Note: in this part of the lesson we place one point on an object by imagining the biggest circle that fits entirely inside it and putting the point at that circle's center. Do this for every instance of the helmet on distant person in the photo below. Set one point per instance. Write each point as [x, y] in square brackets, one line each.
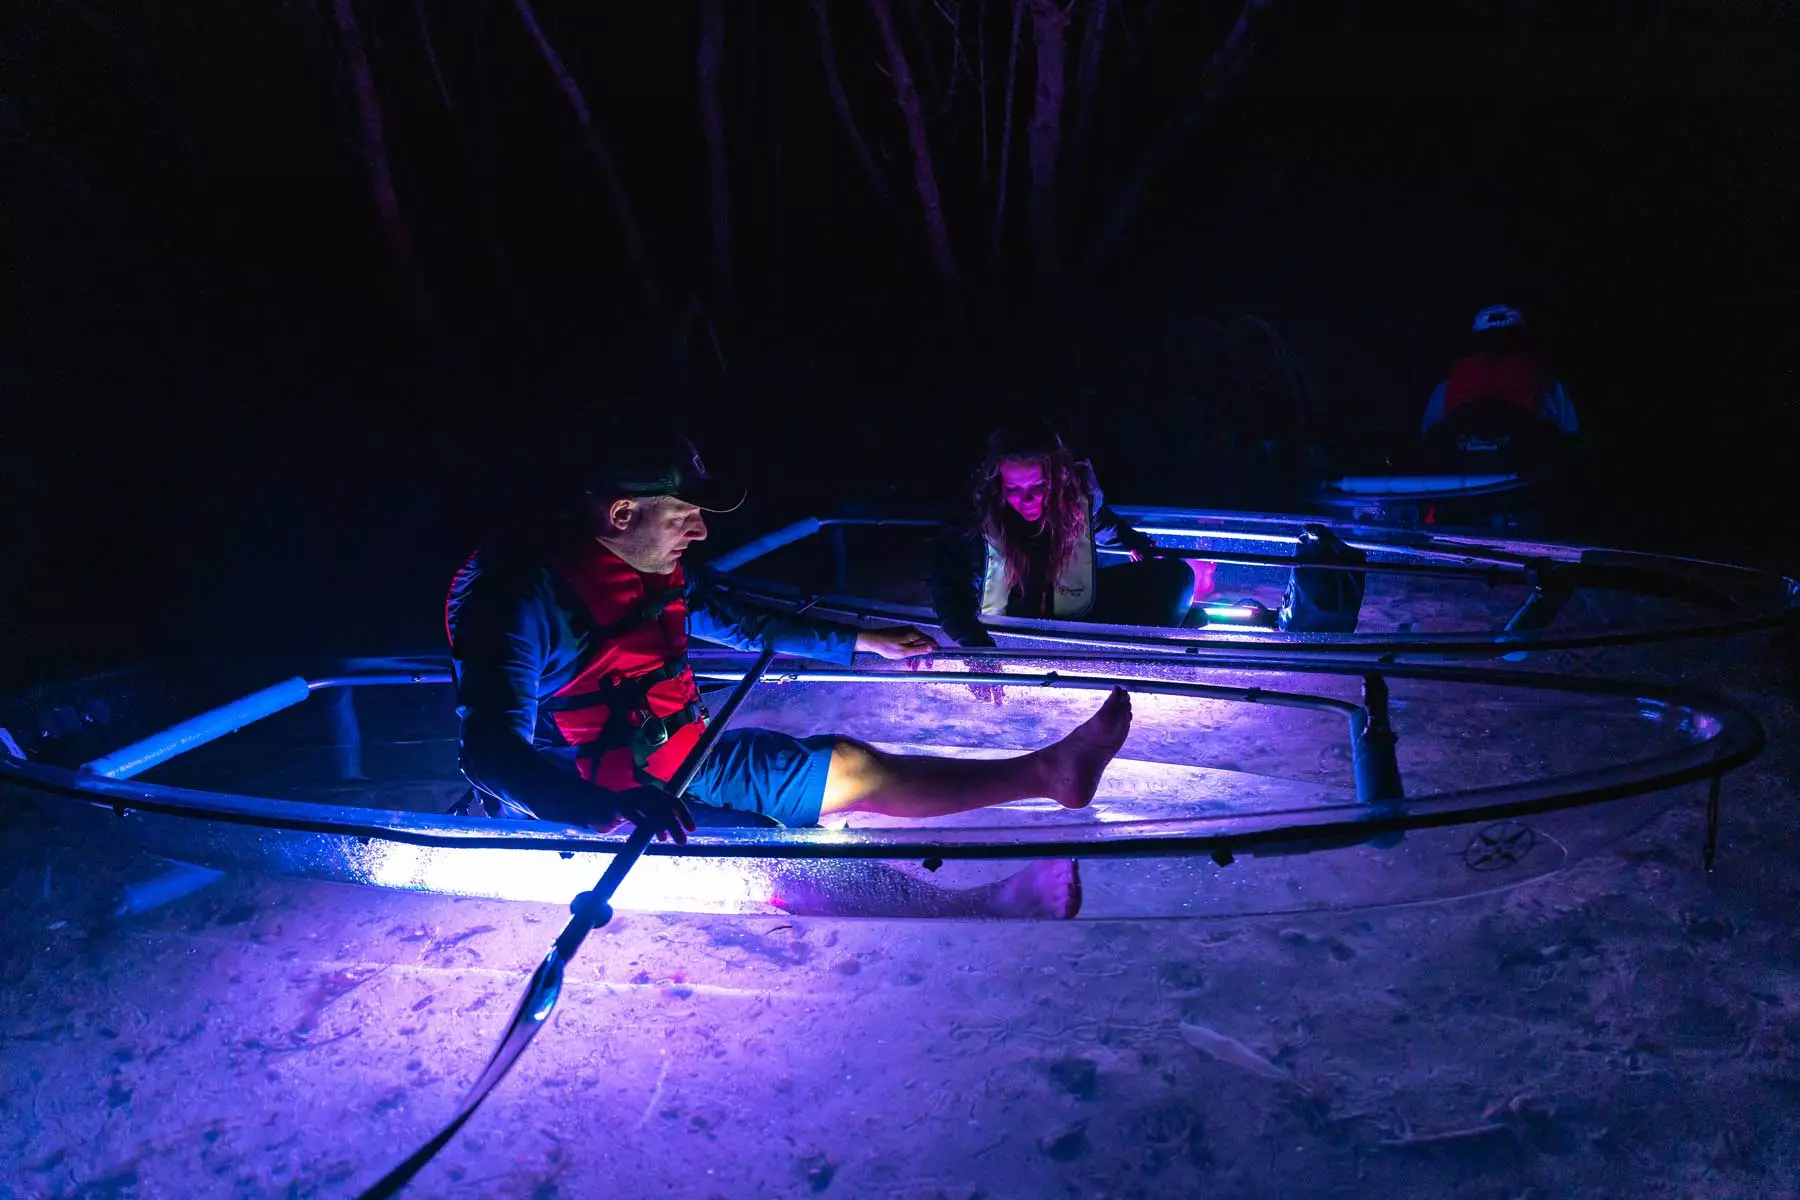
[1498, 316]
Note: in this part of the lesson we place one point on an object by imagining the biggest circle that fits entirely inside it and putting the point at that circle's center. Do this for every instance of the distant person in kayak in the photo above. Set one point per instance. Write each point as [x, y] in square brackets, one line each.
[1500, 396]
[1031, 549]
[577, 704]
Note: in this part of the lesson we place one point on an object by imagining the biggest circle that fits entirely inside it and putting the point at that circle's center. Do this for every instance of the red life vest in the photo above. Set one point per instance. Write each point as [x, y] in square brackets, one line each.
[633, 708]
[1512, 378]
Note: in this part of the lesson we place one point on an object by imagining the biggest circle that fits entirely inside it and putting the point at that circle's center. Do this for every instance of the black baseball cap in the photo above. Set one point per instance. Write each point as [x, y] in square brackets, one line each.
[664, 464]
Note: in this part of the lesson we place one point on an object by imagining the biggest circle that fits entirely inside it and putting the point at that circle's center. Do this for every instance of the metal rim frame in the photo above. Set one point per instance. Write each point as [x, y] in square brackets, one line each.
[1733, 738]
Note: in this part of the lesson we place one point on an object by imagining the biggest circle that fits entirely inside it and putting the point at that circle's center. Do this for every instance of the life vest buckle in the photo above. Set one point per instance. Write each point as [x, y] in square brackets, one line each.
[654, 732]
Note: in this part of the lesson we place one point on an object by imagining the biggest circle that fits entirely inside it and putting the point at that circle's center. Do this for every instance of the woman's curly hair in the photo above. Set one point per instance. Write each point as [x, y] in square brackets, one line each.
[1066, 503]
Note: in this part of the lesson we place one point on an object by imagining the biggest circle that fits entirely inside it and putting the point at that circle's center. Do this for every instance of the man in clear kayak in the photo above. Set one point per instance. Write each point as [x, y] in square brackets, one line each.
[577, 704]
[1500, 406]
[1031, 548]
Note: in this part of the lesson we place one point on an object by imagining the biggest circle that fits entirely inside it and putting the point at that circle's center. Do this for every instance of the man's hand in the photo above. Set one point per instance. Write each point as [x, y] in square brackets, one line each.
[652, 807]
[899, 642]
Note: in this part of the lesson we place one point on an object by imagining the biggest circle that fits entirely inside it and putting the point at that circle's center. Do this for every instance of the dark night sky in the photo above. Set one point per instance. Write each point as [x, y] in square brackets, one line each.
[213, 348]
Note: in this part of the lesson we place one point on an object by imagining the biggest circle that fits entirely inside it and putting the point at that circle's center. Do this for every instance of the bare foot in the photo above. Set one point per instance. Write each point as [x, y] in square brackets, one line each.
[1072, 767]
[1048, 890]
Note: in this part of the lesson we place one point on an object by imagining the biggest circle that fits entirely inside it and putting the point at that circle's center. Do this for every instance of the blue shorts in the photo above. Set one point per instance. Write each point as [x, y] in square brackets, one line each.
[774, 775]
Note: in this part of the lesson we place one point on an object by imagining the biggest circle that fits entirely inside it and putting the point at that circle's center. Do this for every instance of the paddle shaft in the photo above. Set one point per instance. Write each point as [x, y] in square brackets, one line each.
[589, 911]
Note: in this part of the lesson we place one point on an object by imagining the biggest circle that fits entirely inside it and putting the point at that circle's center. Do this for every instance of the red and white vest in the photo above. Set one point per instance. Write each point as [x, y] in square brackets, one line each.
[633, 709]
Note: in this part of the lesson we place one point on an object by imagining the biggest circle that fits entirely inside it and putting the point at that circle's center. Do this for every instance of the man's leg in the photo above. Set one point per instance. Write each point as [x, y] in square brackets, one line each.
[1047, 890]
[864, 779]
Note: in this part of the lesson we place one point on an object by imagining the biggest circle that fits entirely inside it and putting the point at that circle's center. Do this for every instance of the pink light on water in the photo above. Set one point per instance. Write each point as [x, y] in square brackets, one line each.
[1203, 578]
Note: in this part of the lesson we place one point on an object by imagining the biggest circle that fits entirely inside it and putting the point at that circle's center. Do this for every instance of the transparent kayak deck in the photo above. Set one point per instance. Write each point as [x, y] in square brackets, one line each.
[1239, 789]
[1429, 594]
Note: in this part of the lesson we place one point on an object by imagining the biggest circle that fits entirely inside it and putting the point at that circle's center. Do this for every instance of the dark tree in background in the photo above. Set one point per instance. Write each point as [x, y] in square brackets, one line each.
[529, 169]
[912, 111]
[261, 245]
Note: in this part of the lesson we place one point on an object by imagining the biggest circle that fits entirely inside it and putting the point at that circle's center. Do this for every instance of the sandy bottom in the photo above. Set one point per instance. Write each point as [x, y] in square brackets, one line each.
[1628, 1026]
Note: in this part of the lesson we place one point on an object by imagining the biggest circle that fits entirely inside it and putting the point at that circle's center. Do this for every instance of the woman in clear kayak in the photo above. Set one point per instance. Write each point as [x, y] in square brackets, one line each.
[1032, 548]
